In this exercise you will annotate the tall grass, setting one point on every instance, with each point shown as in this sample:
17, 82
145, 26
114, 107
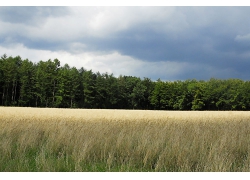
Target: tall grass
33, 139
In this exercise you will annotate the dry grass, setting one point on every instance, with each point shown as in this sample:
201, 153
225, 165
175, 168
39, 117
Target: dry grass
34, 139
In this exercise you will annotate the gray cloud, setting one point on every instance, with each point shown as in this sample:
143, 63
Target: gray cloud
30, 15
188, 42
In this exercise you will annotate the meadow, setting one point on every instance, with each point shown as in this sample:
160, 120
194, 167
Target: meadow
91, 140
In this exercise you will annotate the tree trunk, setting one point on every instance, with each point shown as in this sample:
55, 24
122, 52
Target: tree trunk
53, 99
36, 100
15, 91
3, 96
46, 102
6, 101
12, 94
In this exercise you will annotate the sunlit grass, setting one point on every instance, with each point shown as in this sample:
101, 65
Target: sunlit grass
34, 139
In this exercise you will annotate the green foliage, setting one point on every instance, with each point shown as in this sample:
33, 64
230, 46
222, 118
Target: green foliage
27, 71
47, 84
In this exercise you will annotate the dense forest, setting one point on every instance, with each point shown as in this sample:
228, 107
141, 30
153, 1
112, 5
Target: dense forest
49, 84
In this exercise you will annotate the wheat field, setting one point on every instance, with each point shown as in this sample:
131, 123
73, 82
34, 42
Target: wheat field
49, 139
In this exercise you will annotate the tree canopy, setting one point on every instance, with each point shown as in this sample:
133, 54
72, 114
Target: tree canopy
50, 84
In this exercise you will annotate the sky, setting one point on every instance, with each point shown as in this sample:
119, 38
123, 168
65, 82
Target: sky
166, 42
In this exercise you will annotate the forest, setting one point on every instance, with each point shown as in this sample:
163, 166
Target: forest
50, 84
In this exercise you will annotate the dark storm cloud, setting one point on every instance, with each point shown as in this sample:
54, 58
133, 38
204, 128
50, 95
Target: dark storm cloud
210, 45
205, 41
203, 47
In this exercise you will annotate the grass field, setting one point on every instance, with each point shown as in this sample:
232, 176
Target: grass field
36, 139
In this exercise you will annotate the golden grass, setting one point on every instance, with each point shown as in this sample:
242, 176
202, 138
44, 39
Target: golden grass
48, 139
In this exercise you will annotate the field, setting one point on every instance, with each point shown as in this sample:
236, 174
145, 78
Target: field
47, 139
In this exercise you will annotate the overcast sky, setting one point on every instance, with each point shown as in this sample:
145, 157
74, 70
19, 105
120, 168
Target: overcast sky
171, 43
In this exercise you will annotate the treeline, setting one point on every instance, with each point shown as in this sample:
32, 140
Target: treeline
48, 84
